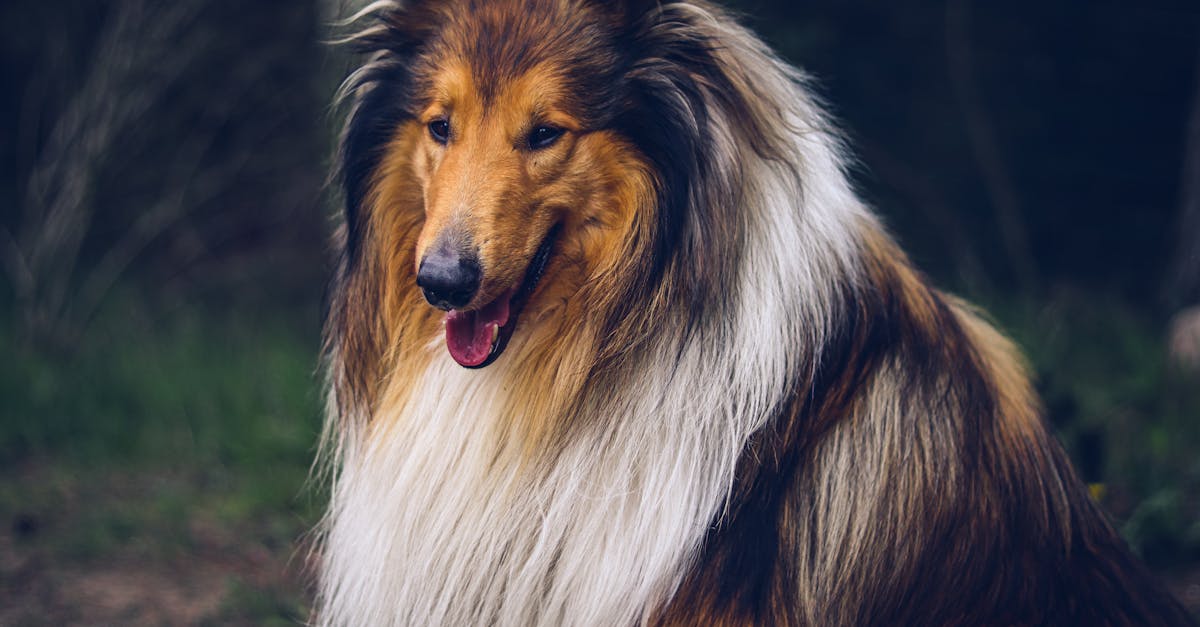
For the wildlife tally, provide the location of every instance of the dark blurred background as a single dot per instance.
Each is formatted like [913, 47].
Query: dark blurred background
[163, 238]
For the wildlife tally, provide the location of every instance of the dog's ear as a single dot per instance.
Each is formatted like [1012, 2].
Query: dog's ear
[388, 35]
[687, 105]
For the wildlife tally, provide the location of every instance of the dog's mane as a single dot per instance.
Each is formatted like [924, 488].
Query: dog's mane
[766, 408]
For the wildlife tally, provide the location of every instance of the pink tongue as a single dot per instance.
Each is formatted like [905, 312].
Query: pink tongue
[470, 334]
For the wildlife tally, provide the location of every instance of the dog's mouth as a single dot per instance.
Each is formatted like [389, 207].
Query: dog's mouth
[476, 338]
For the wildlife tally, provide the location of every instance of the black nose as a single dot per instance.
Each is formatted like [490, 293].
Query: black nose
[449, 280]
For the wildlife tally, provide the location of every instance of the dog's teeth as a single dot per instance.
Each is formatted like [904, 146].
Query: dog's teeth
[495, 333]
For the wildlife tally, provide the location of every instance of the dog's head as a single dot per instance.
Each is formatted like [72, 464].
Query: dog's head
[547, 151]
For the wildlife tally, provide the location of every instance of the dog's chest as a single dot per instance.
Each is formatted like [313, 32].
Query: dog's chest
[436, 523]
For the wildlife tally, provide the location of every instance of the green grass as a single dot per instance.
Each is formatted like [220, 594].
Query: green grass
[183, 436]
[226, 388]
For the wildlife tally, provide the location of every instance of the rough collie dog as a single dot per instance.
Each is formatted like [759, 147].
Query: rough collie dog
[614, 342]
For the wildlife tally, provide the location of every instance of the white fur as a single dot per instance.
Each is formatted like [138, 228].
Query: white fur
[434, 522]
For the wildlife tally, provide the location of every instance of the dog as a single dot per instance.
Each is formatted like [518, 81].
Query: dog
[613, 341]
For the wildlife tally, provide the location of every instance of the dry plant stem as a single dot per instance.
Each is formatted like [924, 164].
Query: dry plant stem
[938, 211]
[143, 50]
[985, 147]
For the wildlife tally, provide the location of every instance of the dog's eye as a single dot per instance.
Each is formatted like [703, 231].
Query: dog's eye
[439, 130]
[544, 137]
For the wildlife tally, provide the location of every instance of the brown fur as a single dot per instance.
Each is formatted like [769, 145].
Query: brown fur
[909, 479]
[962, 512]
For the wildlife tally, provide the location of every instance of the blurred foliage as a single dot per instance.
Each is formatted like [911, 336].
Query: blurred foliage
[177, 145]
[1129, 422]
[1087, 101]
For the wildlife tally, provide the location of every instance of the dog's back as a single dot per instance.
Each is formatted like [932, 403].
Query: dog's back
[914, 484]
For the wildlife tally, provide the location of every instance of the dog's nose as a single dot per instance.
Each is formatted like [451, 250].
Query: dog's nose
[449, 280]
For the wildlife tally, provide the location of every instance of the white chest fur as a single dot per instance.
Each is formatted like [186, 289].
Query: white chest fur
[432, 524]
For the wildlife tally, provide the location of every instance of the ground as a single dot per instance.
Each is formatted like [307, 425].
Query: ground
[122, 549]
